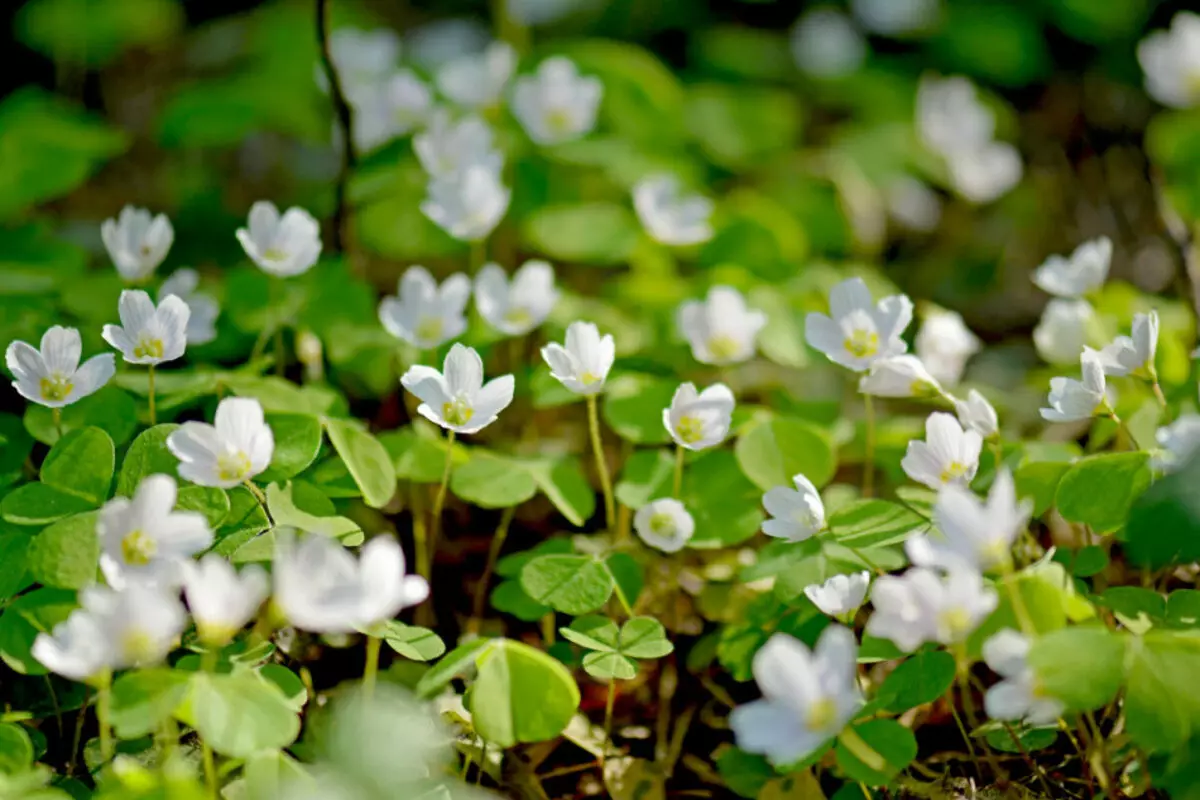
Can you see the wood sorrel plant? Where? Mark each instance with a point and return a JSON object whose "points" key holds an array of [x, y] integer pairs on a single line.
{"points": [[710, 515]]}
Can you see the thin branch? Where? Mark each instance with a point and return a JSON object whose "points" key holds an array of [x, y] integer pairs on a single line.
{"points": [[341, 109]]}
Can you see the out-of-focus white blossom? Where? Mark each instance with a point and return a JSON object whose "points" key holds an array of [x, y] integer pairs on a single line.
{"points": [[1171, 61], [825, 44]]}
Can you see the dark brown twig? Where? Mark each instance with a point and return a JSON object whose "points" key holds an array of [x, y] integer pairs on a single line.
{"points": [[341, 109]]}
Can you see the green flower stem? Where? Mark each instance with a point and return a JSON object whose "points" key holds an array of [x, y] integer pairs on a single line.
{"points": [[868, 480], [493, 554], [208, 664], [371, 670], [1158, 394], [610, 513], [150, 376], [608, 718], [478, 256], [439, 502], [56, 415], [1018, 603], [260, 497], [621, 598], [678, 485], [420, 531], [858, 746], [103, 712]]}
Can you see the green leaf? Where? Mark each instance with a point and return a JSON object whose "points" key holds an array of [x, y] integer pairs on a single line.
{"points": [[1028, 740], [15, 446], [27, 616], [738, 125], [627, 574], [111, 409], [647, 474], [492, 481], [81, 463], [1162, 710], [16, 750], [644, 637], [633, 406], [210, 501], [50, 27], [727, 507], [1099, 490], [874, 523], [285, 513], [366, 459], [142, 700], [568, 583], [520, 695], [240, 714], [998, 42], [14, 549], [65, 555], [148, 455], [457, 662], [597, 233], [40, 504], [413, 642], [418, 457], [773, 451], [564, 484], [593, 632], [609, 666], [1164, 523], [1183, 608], [921, 679], [1038, 480], [744, 773], [510, 598], [889, 748], [1136, 608], [245, 520], [1081, 665], [297, 443]]}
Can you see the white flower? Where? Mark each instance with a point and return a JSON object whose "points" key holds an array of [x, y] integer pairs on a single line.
{"points": [[149, 335], [1020, 695], [1133, 355], [234, 449], [423, 313], [697, 421], [478, 80], [1071, 400], [944, 343], [825, 44], [361, 58], [281, 246], [841, 594], [950, 116], [52, 376], [1084, 271], [896, 17], [391, 107], [136, 242], [977, 414], [1062, 332], [447, 147], [556, 104], [517, 307], [203, 310], [1171, 61], [320, 587], [974, 534], [913, 204], [141, 623], [899, 376], [457, 398], [921, 606], [77, 649], [795, 514], [583, 364], [859, 331], [985, 173], [720, 329], [145, 539], [467, 205], [221, 599], [664, 524], [1180, 441], [948, 455], [808, 696], [670, 216]]}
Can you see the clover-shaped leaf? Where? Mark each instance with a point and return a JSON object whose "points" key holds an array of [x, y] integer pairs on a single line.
{"points": [[615, 650]]}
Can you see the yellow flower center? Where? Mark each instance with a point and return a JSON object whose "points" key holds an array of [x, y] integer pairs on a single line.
{"points": [[589, 379], [690, 429], [862, 343], [662, 524], [274, 254], [953, 472], [821, 714], [55, 387], [956, 622], [148, 348], [923, 388], [723, 347], [457, 411], [558, 120], [145, 250], [518, 317], [138, 646], [429, 329], [137, 548], [218, 635], [233, 466]]}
